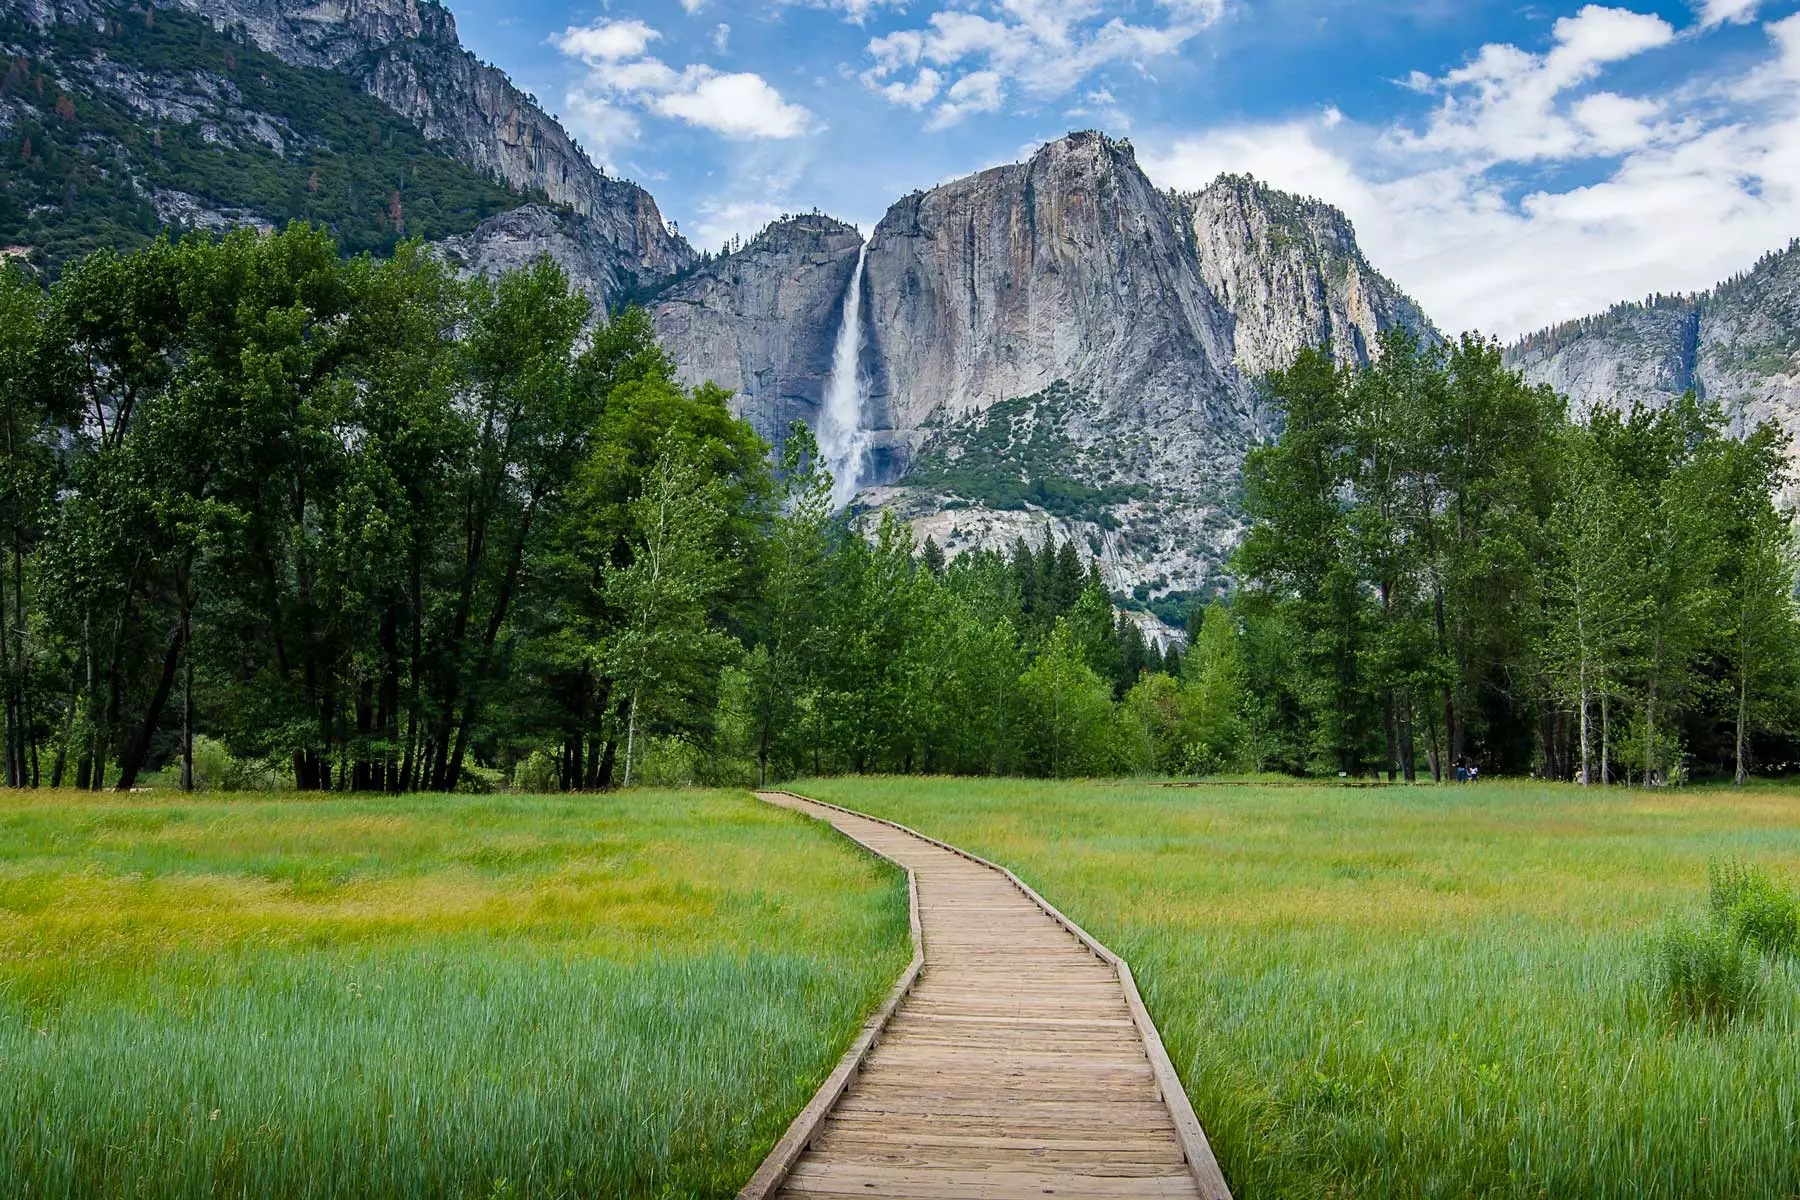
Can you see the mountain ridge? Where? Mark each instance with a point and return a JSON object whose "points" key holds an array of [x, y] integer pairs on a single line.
{"points": [[1736, 344], [404, 55], [1097, 343]]}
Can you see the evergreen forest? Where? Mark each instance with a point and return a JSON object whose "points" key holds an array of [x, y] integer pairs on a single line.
{"points": [[99, 121], [278, 517]]}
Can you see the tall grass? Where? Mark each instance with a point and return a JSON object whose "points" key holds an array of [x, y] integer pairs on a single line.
{"points": [[447, 996], [1420, 992]]}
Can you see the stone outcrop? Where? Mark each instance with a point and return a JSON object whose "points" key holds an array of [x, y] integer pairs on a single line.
{"points": [[763, 321], [580, 245], [1737, 345], [1051, 345], [406, 53], [1289, 271]]}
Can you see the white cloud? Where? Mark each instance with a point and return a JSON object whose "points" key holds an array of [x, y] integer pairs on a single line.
{"points": [[692, 6], [1681, 189], [980, 92], [738, 106], [915, 95], [1505, 105], [1040, 49], [1737, 12], [622, 76], [609, 41], [721, 37], [602, 125]]}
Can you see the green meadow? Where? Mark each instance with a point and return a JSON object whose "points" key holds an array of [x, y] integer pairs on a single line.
{"points": [[1421, 992], [463, 996]]}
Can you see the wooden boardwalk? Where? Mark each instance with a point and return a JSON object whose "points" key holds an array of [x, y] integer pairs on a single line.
{"points": [[1015, 1060]]}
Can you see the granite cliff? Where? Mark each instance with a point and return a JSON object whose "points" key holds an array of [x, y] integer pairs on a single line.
{"points": [[406, 54], [1737, 345], [1050, 345], [403, 54]]}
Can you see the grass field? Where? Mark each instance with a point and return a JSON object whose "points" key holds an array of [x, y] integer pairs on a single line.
{"points": [[1426, 992], [445, 996]]}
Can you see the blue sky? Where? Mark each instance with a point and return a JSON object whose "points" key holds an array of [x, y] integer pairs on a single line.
{"points": [[1509, 164]]}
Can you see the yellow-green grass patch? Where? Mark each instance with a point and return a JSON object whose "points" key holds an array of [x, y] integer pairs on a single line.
{"points": [[461, 996], [1419, 992]]}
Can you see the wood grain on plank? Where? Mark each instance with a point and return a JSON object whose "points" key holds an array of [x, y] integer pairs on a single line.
{"points": [[1018, 1062]]}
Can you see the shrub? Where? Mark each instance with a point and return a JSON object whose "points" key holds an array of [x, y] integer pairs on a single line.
{"points": [[478, 780], [537, 774], [1705, 971], [1756, 909], [217, 769]]}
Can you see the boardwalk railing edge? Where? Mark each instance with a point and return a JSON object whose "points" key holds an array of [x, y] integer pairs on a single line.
{"points": [[805, 1127], [1194, 1147]]}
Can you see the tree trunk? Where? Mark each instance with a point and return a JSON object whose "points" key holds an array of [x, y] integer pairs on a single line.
{"points": [[630, 736], [608, 759], [1743, 716], [1408, 763], [1586, 750], [21, 675], [187, 697], [15, 761], [1391, 720], [132, 761], [84, 767], [1605, 741]]}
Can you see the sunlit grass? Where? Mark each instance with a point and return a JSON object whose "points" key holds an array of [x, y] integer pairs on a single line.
{"points": [[443, 996], [1425, 992]]}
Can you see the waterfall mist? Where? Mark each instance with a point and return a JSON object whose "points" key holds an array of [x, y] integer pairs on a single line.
{"points": [[843, 442]]}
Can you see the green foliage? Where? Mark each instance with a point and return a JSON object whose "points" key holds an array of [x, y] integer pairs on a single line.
{"points": [[343, 158], [217, 769], [1443, 570], [360, 517], [1066, 709], [1711, 970], [1759, 911], [1017, 454], [1706, 972]]}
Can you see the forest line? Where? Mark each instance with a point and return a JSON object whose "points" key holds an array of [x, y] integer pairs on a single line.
{"points": [[276, 517]]}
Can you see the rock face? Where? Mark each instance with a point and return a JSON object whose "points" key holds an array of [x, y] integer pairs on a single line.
{"points": [[1737, 345], [1291, 274], [763, 321], [580, 245], [406, 54], [1052, 345]]}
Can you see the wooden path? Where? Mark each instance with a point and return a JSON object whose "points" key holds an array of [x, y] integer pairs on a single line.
{"points": [[1014, 1058]]}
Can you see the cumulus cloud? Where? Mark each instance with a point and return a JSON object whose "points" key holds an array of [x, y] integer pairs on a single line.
{"points": [[1680, 190], [613, 41], [738, 106], [622, 77], [923, 89], [979, 92], [1736, 12], [1505, 105], [1040, 49]]}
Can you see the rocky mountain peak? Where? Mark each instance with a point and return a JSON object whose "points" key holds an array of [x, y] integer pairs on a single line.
{"points": [[1053, 344], [762, 321], [1291, 273], [1737, 345], [406, 53]]}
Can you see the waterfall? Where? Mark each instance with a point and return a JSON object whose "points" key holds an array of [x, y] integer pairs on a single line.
{"points": [[843, 441]]}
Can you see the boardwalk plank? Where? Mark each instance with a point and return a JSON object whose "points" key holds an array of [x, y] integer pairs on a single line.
{"points": [[1014, 1067]]}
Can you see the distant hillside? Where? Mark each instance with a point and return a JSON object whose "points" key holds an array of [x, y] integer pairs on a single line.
{"points": [[113, 127], [1737, 345], [1050, 348]]}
